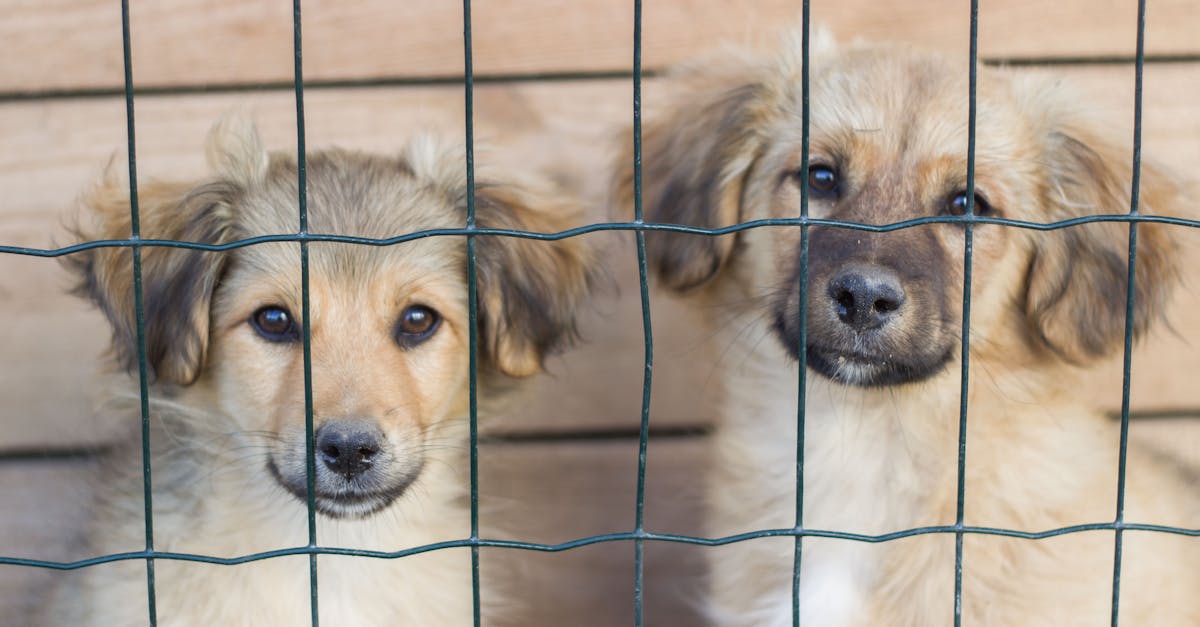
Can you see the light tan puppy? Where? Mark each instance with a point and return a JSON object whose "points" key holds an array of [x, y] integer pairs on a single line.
{"points": [[889, 143], [389, 336]]}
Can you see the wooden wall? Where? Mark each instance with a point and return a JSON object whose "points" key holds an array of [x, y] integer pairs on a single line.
{"points": [[376, 72]]}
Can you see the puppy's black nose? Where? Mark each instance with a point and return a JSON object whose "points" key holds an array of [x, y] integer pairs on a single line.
{"points": [[348, 447], [866, 297]]}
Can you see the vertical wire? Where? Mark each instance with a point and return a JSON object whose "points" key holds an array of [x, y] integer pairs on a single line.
{"points": [[472, 308], [1130, 296], [305, 317], [135, 234], [648, 335], [802, 351], [968, 246]]}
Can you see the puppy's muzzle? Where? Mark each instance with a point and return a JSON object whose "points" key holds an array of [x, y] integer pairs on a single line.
{"points": [[359, 471], [876, 308], [349, 448], [866, 297]]}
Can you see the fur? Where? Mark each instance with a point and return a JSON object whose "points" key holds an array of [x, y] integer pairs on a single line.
{"points": [[228, 406], [882, 400]]}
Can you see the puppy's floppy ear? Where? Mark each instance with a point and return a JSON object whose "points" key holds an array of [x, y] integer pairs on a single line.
{"points": [[1078, 279], [529, 291], [695, 157], [177, 284]]}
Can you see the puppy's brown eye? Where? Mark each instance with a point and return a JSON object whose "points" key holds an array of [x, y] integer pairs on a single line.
{"points": [[957, 205], [417, 323], [275, 324], [822, 181]]}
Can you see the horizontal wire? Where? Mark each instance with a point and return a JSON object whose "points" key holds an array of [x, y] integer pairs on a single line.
{"points": [[597, 539], [593, 228]]}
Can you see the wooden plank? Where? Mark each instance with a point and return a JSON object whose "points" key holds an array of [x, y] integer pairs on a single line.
{"points": [[76, 44], [542, 492], [49, 151]]}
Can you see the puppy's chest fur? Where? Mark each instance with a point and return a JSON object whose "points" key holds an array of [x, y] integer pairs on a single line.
{"points": [[884, 460], [866, 471]]}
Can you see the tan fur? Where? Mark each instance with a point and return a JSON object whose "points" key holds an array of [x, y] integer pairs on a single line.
{"points": [[228, 406], [882, 457]]}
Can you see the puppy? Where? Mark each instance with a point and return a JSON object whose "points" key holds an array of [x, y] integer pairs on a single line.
{"points": [[889, 134], [389, 353]]}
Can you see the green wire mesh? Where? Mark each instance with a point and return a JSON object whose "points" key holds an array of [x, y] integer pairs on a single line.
{"points": [[639, 535]]}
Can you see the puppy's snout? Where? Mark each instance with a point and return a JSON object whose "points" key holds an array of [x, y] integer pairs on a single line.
{"points": [[348, 447], [866, 297]]}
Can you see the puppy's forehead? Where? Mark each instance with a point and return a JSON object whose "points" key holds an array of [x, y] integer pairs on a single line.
{"points": [[904, 101], [869, 91], [355, 195], [442, 255], [349, 194]]}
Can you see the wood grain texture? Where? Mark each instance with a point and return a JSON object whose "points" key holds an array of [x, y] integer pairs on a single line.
{"points": [[198, 42], [49, 151]]}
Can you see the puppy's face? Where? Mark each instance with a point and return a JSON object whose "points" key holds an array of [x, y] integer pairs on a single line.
{"points": [[388, 326], [888, 143], [389, 355]]}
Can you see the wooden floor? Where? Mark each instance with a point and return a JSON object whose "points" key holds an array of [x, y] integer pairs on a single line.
{"points": [[553, 96]]}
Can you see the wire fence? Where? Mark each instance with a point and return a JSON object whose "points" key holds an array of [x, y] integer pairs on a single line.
{"points": [[639, 535]]}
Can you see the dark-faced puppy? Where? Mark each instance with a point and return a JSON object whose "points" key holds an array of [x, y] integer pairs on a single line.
{"points": [[889, 137], [389, 332]]}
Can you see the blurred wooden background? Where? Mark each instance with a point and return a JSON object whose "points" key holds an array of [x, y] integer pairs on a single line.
{"points": [[553, 95]]}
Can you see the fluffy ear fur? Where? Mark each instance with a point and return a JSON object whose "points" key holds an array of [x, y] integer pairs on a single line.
{"points": [[696, 155], [235, 151], [529, 291], [177, 284], [1077, 283]]}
